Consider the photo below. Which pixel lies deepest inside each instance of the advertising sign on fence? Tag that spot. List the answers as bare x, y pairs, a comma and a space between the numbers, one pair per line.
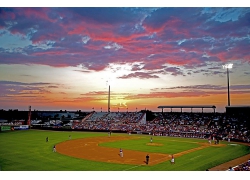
21, 127
24, 127
5, 128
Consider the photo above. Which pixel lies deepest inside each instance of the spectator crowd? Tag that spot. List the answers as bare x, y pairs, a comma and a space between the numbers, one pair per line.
190, 125
241, 167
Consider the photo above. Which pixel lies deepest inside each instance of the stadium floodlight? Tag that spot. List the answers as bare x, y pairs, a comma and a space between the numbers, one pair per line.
109, 100
228, 66
108, 82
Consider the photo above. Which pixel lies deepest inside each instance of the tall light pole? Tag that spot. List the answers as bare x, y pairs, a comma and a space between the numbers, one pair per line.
228, 66
109, 100
109, 82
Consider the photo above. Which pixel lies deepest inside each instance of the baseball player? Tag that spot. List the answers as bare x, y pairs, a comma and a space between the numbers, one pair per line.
121, 152
147, 159
54, 148
172, 159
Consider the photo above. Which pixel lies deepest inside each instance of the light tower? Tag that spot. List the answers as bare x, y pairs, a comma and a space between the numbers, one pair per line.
228, 66
109, 97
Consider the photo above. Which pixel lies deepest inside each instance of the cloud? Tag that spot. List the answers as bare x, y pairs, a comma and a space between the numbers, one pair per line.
137, 67
121, 105
175, 71
83, 71
21, 89
53, 86
168, 95
96, 37
140, 75
185, 94
211, 87
85, 39
114, 46
95, 93
21, 83
105, 15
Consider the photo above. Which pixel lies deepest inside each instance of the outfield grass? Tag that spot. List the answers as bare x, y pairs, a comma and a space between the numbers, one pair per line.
26, 150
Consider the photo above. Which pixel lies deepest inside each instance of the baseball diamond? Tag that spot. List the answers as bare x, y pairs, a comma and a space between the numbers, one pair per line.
28, 150
88, 148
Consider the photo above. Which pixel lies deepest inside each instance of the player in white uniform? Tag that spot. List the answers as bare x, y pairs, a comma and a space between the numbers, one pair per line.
121, 152
172, 160
54, 148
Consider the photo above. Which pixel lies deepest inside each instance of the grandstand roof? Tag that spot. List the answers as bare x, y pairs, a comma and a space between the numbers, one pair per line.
190, 106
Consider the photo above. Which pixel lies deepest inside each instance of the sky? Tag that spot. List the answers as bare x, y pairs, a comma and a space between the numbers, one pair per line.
54, 58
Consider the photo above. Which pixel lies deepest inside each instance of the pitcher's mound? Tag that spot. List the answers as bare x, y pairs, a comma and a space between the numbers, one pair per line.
154, 144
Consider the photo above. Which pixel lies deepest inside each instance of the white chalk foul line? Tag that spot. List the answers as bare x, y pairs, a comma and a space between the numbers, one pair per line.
143, 164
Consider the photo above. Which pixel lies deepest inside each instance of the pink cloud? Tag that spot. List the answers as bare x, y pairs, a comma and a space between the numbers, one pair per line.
183, 94
7, 15
174, 25
40, 13
51, 52
101, 32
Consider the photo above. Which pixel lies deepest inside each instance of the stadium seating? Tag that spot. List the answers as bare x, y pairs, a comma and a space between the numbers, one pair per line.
189, 125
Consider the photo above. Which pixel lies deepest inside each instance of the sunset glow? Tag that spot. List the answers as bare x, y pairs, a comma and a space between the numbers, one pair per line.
64, 58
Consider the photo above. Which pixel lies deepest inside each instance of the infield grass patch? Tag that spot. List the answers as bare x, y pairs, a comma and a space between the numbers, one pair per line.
168, 145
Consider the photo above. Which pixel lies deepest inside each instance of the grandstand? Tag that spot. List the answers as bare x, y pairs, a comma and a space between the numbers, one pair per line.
178, 124
97, 116
111, 120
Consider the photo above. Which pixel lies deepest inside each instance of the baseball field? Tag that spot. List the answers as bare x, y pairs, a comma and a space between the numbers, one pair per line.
27, 150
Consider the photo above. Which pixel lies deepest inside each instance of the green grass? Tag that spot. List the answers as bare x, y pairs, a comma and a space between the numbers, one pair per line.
26, 150
167, 146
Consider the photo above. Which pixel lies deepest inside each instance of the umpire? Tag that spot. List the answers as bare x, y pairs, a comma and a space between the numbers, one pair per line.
147, 159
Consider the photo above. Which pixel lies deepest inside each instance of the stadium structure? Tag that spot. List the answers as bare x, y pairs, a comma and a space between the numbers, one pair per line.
190, 106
